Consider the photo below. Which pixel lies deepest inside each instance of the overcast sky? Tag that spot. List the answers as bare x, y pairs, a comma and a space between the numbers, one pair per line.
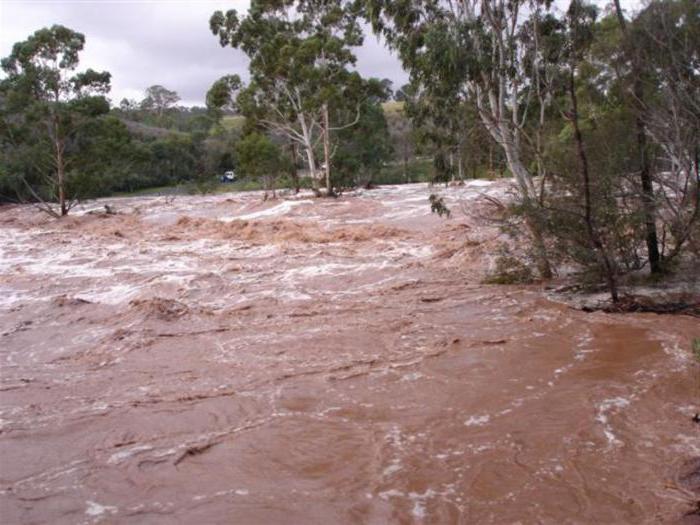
146, 42
167, 42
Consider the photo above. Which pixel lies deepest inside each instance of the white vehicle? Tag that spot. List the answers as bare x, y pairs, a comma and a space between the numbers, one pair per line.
228, 176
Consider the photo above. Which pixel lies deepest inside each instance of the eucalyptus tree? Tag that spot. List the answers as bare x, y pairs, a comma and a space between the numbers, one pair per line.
402, 137
128, 106
360, 151
637, 101
260, 158
300, 58
159, 100
441, 126
221, 97
474, 50
578, 30
45, 101
666, 37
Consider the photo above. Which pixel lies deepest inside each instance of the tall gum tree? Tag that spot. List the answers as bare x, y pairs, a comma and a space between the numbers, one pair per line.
300, 58
666, 36
43, 95
159, 100
645, 169
475, 49
580, 18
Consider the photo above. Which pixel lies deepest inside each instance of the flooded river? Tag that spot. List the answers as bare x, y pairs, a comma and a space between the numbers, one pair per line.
220, 359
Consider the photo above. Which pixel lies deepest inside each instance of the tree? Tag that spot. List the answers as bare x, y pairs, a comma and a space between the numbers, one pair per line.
221, 97
128, 106
105, 155
473, 50
259, 158
362, 150
666, 40
159, 100
173, 159
403, 137
403, 93
45, 102
441, 127
299, 64
638, 102
580, 19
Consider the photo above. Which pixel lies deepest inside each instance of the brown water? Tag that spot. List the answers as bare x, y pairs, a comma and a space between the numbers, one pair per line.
323, 362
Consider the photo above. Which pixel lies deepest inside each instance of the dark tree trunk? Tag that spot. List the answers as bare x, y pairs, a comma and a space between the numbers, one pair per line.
652, 241
593, 235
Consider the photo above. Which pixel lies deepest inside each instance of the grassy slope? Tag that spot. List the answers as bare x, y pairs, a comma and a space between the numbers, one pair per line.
232, 122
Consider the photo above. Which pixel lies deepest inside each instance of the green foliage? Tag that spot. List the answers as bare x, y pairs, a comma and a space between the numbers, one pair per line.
418, 170
221, 97
159, 100
45, 107
362, 149
696, 348
302, 85
259, 159
105, 155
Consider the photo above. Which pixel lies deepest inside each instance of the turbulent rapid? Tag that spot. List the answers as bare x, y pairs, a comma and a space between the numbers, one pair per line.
220, 359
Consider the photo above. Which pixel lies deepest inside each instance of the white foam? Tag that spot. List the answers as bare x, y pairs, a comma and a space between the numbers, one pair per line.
122, 455
477, 420
280, 209
394, 467
479, 183
95, 509
393, 493
115, 294
604, 408
418, 509
419, 500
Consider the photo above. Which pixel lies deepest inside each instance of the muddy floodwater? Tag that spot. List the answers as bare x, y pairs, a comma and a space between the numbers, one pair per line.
220, 359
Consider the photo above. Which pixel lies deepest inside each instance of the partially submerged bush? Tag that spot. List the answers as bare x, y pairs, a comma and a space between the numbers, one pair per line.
437, 205
509, 270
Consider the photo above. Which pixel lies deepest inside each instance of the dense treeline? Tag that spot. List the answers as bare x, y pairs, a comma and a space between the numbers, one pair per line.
145, 143
61, 141
595, 114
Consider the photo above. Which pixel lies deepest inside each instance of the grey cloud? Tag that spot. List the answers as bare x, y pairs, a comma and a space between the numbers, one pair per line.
157, 42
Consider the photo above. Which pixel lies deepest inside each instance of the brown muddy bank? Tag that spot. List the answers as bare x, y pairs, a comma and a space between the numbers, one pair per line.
219, 359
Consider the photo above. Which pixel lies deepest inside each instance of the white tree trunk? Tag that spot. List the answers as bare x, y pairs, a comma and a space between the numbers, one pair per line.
327, 150
309, 149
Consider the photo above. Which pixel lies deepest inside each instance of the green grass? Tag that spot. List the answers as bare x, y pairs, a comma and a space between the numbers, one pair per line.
191, 188
211, 186
416, 171
233, 122
156, 190
392, 107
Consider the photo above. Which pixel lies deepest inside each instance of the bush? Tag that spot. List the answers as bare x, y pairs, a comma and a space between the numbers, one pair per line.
509, 270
